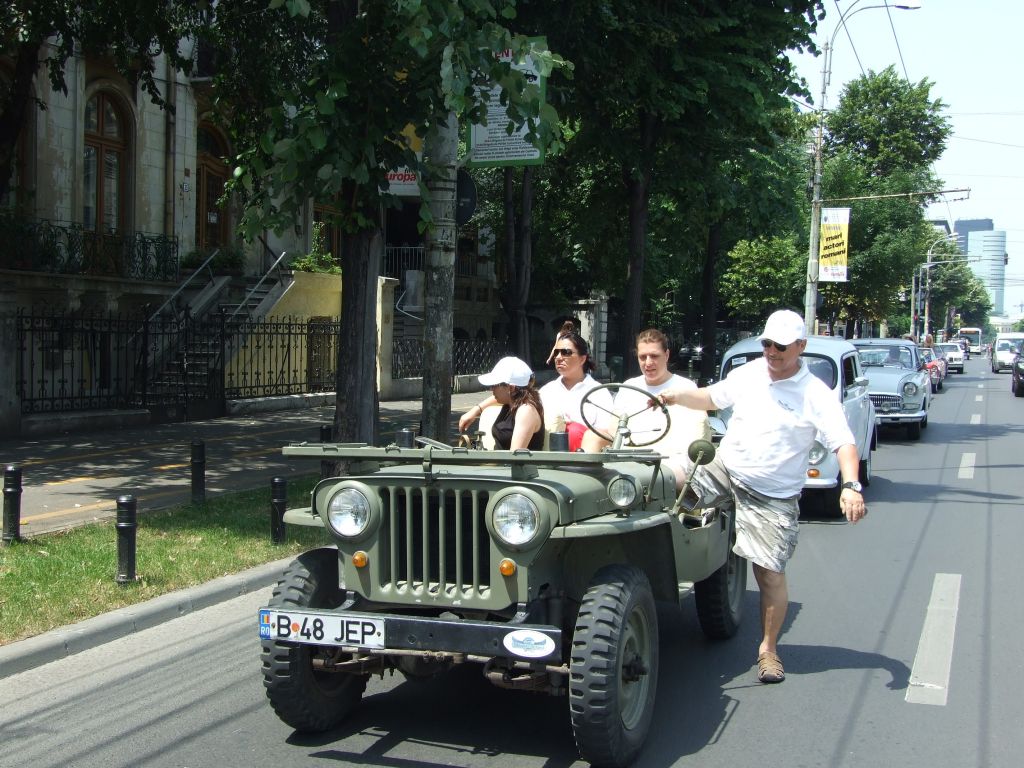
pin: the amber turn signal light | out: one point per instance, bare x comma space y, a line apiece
360, 559
813, 473
507, 567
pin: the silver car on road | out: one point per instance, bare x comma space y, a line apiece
900, 385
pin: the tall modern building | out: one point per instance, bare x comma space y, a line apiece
964, 227
986, 251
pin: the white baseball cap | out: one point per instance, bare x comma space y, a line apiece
784, 326
508, 370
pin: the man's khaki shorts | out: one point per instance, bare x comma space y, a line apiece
766, 527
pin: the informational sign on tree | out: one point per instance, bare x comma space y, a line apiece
492, 144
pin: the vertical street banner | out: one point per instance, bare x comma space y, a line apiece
492, 144
833, 249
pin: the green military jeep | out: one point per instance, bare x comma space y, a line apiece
543, 567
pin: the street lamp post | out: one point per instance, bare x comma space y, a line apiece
811, 294
923, 275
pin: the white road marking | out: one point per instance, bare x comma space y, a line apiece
929, 679
966, 471
976, 418
978, 398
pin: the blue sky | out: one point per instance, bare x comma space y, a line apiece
973, 53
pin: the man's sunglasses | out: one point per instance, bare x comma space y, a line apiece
765, 343
560, 352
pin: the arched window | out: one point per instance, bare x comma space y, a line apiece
212, 174
106, 165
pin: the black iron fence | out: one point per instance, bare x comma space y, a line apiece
189, 366
39, 245
468, 357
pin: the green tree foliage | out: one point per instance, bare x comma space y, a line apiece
40, 35
665, 94
889, 123
337, 85
763, 275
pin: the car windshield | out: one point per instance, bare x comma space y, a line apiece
823, 368
1004, 346
949, 348
897, 357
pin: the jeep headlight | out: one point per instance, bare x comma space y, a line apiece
348, 512
817, 454
909, 389
623, 492
516, 519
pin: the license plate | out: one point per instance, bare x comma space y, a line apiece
322, 629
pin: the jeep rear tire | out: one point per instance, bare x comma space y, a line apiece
720, 596
613, 667
305, 698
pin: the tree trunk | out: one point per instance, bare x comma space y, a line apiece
709, 304
518, 260
356, 401
638, 189
439, 291
14, 108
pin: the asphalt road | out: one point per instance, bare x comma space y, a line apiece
77, 479
901, 648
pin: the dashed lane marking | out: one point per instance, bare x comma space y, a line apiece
929, 679
966, 471
976, 418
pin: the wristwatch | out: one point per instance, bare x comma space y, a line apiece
854, 485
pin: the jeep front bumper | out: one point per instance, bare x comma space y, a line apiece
384, 634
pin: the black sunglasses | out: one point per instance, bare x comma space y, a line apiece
560, 352
765, 343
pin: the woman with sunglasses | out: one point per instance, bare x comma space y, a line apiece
562, 396
778, 410
520, 423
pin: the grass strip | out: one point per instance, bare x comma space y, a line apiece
61, 578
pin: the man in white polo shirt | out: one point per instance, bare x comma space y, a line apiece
778, 409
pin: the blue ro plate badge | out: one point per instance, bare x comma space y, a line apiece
322, 629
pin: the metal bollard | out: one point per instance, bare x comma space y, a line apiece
12, 505
278, 505
126, 525
198, 472
326, 467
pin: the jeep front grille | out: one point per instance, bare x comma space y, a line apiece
434, 542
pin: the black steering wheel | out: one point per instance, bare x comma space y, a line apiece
622, 432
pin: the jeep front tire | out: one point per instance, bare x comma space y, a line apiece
613, 667
306, 698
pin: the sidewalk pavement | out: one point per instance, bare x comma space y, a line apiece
65, 641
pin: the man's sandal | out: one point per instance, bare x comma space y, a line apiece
769, 668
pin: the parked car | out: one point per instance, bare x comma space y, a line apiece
936, 366
1004, 350
834, 361
953, 354
899, 385
1017, 371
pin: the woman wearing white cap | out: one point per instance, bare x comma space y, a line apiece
520, 423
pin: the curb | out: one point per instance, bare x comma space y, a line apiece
60, 643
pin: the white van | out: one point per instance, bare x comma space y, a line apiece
1004, 350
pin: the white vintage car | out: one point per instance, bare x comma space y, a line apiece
900, 385
834, 361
